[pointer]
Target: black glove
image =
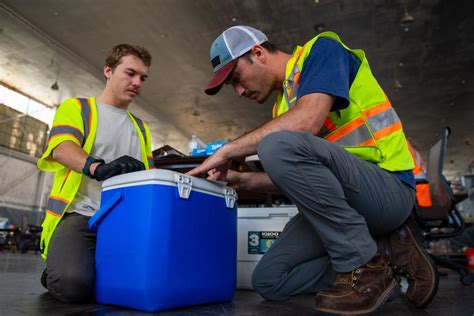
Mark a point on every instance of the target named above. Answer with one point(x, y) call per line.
point(124, 164)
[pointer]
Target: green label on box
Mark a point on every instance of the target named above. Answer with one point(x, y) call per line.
point(259, 242)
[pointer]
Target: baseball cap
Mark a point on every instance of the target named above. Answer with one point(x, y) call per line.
point(227, 48)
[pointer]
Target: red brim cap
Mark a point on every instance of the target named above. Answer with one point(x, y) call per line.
point(219, 78)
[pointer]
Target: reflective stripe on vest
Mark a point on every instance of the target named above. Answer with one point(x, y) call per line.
point(292, 83)
point(356, 132)
point(66, 129)
point(419, 170)
point(141, 126)
point(86, 116)
point(151, 162)
point(327, 128)
point(56, 206)
point(353, 134)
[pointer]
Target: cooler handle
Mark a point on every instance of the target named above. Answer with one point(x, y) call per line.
point(103, 211)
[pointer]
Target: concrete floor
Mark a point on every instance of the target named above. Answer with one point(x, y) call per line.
point(22, 294)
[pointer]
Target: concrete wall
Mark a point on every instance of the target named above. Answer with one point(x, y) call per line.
point(23, 188)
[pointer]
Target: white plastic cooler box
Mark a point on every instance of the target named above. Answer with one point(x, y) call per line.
point(258, 228)
point(165, 240)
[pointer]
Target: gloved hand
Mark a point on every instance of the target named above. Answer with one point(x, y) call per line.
point(124, 164)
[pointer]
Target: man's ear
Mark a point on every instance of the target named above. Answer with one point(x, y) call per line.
point(107, 72)
point(259, 53)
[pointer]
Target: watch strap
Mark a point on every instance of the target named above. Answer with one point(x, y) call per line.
point(89, 161)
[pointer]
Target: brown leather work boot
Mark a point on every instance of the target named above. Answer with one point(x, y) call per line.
point(408, 259)
point(360, 291)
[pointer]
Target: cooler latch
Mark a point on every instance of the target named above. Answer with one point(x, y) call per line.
point(184, 185)
point(230, 197)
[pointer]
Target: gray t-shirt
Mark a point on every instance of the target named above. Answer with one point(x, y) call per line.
point(116, 136)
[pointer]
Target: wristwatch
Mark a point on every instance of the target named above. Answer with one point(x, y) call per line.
point(89, 161)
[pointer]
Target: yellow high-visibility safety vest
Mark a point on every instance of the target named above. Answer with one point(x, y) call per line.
point(76, 121)
point(368, 128)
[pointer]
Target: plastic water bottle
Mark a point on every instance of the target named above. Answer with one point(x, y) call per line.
point(201, 144)
point(193, 144)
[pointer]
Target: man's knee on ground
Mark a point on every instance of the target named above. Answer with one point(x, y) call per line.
point(265, 284)
point(72, 287)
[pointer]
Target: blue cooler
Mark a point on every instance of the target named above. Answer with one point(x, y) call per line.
point(165, 240)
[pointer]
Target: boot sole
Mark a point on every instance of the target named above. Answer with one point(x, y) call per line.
point(433, 268)
point(390, 294)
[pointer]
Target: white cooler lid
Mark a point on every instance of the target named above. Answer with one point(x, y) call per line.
point(267, 212)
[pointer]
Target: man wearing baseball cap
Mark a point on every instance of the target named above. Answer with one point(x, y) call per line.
point(336, 148)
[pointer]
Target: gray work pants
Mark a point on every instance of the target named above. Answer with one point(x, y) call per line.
point(342, 201)
point(70, 265)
